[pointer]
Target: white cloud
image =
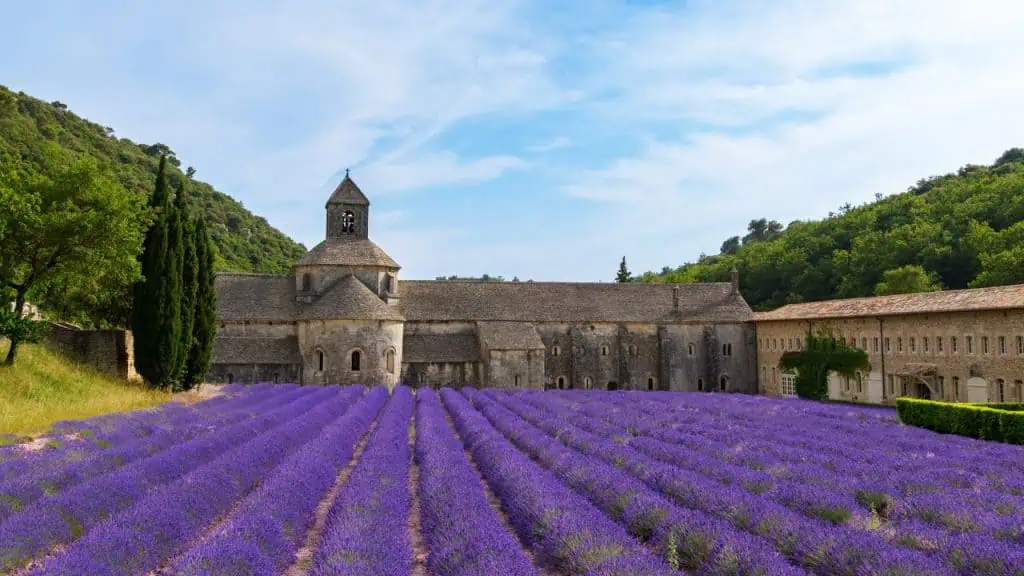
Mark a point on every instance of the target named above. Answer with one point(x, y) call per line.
point(553, 144)
point(948, 99)
point(434, 169)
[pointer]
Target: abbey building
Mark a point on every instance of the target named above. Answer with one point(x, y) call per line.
point(344, 316)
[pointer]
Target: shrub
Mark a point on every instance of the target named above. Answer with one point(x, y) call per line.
point(986, 422)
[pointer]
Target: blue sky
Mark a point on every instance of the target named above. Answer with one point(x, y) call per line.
point(518, 139)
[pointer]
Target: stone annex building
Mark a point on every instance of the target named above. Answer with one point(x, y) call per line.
point(344, 316)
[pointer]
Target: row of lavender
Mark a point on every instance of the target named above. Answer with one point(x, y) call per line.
point(785, 472)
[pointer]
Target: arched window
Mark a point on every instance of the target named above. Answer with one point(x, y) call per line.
point(650, 383)
point(604, 350)
point(348, 222)
point(587, 383)
point(319, 360)
point(561, 382)
point(723, 383)
point(700, 384)
point(632, 349)
point(556, 351)
point(390, 360)
point(690, 349)
point(517, 380)
point(307, 282)
point(355, 360)
point(860, 383)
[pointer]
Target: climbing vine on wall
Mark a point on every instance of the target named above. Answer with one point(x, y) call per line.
point(822, 354)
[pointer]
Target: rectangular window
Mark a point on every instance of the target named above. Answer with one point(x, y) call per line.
point(956, 388)
point(984, 344)
point(790, 343)
point(1002, 344)
point(940, 382)
point(860, 383)
point(875, 343)
point(863, 343)
point(924, 344)
point(938, 344)
point(888, 346)
point(775, 344)
point(952, 343)
point(892, 386)
point(913, 345)
point(798, 347)
point(789, 385)
point(1002, 390)
point(1020, 345)
point(1019, 384)
point(903, 386)
point(970, 344)
point(899, 344)
point(847, 380)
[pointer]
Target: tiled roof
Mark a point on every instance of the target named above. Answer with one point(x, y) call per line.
point(255, 297)
point(349, 299)
point(434, 348)
point(256, 350)
point(348, 193)
point(272, 298)
point(569, 302)
point(350, 251)
point(509, 336)
point(993, 298)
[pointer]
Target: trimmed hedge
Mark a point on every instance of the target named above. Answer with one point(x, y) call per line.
point(976, 421)
point(1011, 406)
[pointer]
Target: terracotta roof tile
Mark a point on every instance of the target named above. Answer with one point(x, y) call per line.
point(509, 336)
point(994, 298)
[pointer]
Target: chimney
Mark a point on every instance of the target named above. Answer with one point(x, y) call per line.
point(735, 280)
point(675, 298)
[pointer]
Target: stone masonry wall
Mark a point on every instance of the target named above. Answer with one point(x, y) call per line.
point(955, 343)
point(109, 351)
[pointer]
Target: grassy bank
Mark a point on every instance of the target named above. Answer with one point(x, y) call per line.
point(43, 387)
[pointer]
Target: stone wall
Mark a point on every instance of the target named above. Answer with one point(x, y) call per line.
point(337, 340)
point(952, 344)
point(514, 369)
point(442, 374)
point(109, 351)
point(254, 373)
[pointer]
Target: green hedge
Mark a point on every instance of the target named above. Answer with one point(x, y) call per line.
point(977, 421)
point(1011, 406)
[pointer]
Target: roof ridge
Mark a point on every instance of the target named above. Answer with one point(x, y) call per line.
point(897, 296)
point(565, 283)
point(263, 274)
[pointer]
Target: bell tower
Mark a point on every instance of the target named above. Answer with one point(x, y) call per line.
point(348, 212)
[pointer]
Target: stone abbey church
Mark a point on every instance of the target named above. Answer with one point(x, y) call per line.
point(344, 317)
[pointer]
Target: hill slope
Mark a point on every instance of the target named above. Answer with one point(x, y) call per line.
point(245, 242)
point(44, 387)
point(955, 231)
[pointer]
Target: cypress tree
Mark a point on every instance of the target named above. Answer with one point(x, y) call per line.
point(172, 294)
point(189, 283)
point(204, 326)
point(150, 320)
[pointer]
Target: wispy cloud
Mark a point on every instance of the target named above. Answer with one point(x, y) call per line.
point(553, 144)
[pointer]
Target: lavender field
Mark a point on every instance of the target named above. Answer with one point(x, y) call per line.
point(282, 479)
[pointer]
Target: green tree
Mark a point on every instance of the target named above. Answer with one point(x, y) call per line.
point(204, 327)
point(189, 281)
point(823, 354)
point(623, 274)
point(907, 279)
point(71, 222)
point(157, 302)
point(731, 245)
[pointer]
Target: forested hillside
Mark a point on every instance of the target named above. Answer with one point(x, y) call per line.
point(244, 241)
point(947, 232)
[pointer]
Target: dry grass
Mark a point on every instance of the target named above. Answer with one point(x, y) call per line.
point(43, 387)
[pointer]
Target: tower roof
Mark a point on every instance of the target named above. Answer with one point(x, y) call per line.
point(348, 192)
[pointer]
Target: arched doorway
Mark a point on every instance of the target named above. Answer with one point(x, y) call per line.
point(613, 385)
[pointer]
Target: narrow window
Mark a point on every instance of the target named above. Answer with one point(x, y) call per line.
point(517, 380)
point(650, 383)
point(924, 344)
point(847, 382)
point(690, 349)
point(1002, 344)
point(1002, 390)
point(798, 344)
point(892, 385)
point(913, 345)
point(888, 346)
point(556, 351)
point(970, 344)
point(1019, 385)
point(860, 383)
point(790, 343)
point(348, 222)
point(775, 344)
point(952, 343)
point(863, 343)
point(231, 377)
point(725, 349)
point(941, 383)
point(320, 360)
point(875, 341)
point(899, 344)
point(355, 360)
point(764, 375)
point(307, 282)
point(774, 382)
point(984, 344)
point(723, 383)
point(1020, 345)
point(938, 343)
point(956, 388)
point(588, 383)
point(561, 382)
point(390, 360)
point(604, 350)
point(700, 384)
